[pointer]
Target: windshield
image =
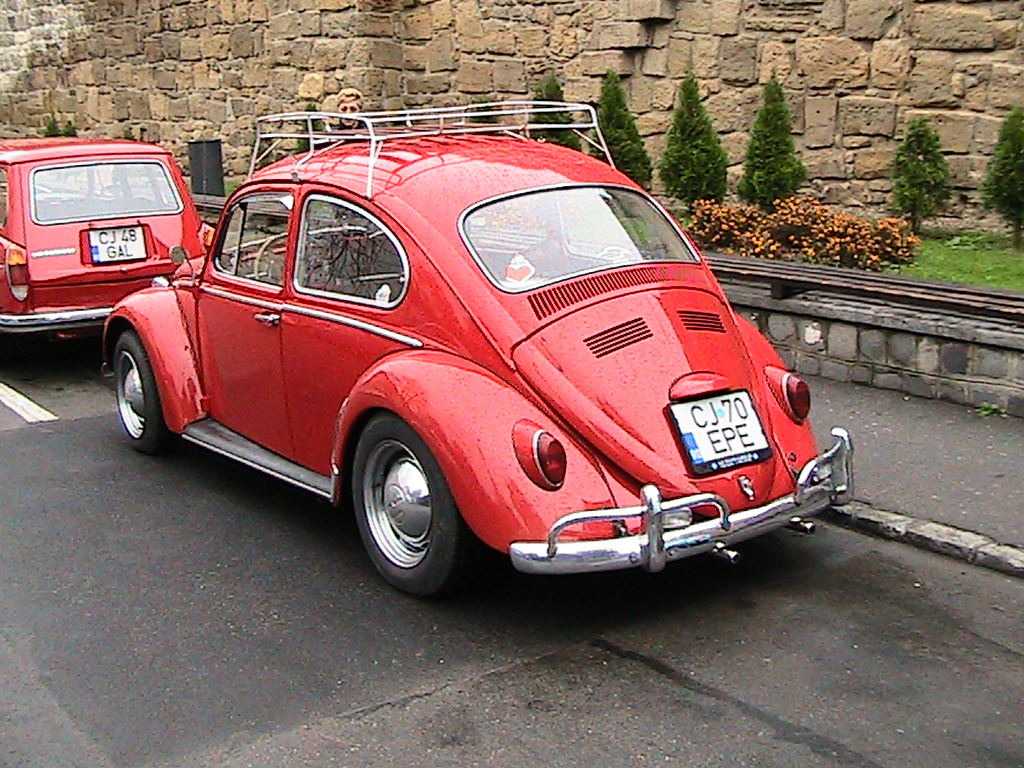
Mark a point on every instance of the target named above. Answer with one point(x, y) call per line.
point(537, 238)
point(107, 190)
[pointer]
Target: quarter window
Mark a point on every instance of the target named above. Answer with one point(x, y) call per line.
point(256, 238)
point(345, 252)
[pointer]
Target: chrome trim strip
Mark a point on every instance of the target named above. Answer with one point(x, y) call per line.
point(319, 314)
point(824, 481)
point(223, 294)
point(254, 464)
point(55, 320)
point(351, 322)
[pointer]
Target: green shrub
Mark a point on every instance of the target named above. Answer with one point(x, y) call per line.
point(1003, 189)
point(771, 171)
point(694, 164)
point(920, 174)
point(550, 90)
point(620, 132)
point(802, 229)
point(69, 129)
point(51, 128)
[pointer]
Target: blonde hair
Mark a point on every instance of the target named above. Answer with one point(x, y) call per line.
point(349, 94)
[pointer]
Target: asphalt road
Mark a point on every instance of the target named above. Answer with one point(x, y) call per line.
point(185, 611)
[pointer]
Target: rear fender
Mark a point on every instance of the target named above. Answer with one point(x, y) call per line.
point(794, 439)
point(466, 415)
point(155, 315)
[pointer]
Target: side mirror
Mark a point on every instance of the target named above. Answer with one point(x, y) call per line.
point(178, 255)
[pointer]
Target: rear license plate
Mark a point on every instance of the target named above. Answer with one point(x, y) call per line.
point(721, 432)
point(117, 244)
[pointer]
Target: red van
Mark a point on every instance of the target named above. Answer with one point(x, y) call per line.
point(83, 223)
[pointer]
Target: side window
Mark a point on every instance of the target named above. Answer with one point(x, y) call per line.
point(3, 197)
point(346, 252)
point(256, 238)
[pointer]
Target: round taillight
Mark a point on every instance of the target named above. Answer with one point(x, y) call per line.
point(798, 396)
point(551, 458)
point(540, 454)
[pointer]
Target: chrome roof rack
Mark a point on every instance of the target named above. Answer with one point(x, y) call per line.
point(323, 130)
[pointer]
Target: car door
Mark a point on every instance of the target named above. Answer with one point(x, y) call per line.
point(351, 274)
point(239, 320)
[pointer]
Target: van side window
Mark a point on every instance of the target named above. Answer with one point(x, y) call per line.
point(347, 252)
point(256, 239)
point(3, 197)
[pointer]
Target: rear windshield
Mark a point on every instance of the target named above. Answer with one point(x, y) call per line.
point(107, 190)
point(537, 238)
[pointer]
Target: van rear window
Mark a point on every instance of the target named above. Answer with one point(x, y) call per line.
point(102, 190)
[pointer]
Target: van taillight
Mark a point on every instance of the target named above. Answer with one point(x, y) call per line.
point(17, 270)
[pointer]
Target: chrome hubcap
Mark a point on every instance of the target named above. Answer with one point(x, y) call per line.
point(396, 496)
point(131, 400)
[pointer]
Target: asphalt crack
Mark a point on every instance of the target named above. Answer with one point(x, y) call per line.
point(784, 730)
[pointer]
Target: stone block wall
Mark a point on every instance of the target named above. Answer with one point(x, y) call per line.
point(965, 361)
point(855, 71)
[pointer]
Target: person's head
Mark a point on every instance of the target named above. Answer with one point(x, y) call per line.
point(350, 100)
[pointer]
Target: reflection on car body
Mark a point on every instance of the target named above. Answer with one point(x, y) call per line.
point(472, 338)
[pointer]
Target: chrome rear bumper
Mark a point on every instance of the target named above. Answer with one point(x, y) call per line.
point(56, 320)
point(824, 481)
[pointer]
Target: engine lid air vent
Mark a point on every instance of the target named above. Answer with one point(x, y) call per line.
point(618, 337)
point(701, 321)
point(551, 300)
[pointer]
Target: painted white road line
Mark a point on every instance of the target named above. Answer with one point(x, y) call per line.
point(22, 406)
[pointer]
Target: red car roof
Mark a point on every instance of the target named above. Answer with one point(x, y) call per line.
point(450, 171)
point(60, 148)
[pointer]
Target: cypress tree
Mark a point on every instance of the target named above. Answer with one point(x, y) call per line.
point(550, 90)
point(694, 164)
point(1003, 189)
point(920, 173)
point(772, 171)
point(620, 132)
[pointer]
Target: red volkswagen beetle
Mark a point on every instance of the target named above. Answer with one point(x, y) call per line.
point(83, 222)
point(474, 337)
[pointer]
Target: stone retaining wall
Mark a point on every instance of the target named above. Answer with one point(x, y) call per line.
point(966, 361)
point(855, 71)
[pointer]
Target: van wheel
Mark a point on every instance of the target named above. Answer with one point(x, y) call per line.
point(406, 515)
point(138, 401)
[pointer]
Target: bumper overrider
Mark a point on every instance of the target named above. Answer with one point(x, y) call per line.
point(668, 532)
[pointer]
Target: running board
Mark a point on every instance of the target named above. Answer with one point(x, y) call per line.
point(219, 439)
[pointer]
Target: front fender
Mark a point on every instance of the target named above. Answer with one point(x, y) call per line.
point(155, 315)
point(466, 415)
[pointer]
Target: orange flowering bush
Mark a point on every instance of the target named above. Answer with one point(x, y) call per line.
point(802, 229)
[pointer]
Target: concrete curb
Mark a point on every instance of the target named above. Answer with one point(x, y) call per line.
point(968, 546)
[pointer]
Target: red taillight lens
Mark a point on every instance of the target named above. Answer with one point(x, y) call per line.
point(791, 391)
point(540, 454)
point(798, 396)
point(551, 458)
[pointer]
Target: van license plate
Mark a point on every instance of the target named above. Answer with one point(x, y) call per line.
point(721, 432)
point(117, 244)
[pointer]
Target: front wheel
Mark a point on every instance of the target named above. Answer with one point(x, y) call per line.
point(405, 511)
point(138, 401)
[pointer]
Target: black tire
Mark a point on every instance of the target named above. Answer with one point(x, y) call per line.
point(138, 400)
point(421, 544)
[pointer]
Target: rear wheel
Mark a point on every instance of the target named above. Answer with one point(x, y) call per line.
point(405, 511)
point(138, 401)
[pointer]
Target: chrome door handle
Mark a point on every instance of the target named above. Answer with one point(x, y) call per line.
point(267, 318)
